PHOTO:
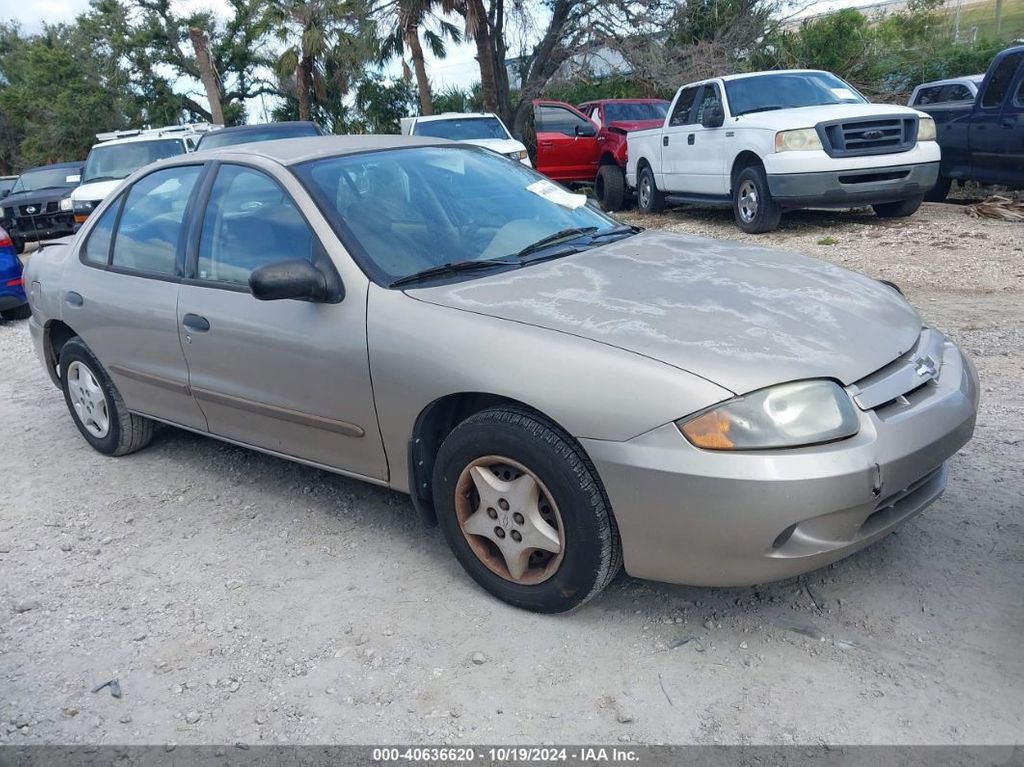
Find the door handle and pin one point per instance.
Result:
(1007, 122)
(664, 140)
(545, 143)
(689, 139)
(71, 298)
(196, 323)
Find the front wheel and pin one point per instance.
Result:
(940, 191)
(523, 511)
(96, 405)
(753, 207)
(900, 209)
(22, 312)
(648, 198)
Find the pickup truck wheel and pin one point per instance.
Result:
(900, 209)
(648, 198)
(755, 210)
(940, 191)
(610, 187)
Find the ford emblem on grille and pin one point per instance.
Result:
(873, 135)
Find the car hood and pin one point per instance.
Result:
(808, 117)
(500, 145)
(741, 316)
(96, 191)
(631, 125)
(40, 197)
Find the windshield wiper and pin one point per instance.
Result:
(552, 239)
(453, 267)
(102, 178)
(768, 108)
(621, 229)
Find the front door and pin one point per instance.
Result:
(708, 163)
(676, 146)
(289, 376)
(992, 124)
(563, 154)
(123, 301)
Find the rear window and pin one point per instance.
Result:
(635, 112)
(216, 139)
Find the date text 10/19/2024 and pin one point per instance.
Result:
(504, 754)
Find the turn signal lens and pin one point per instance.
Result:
(709, 431)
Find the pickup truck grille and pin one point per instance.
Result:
(37, 208)
(876, 135)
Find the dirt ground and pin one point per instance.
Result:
(240, 598)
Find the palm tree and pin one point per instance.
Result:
(406, 19)
(328, 45)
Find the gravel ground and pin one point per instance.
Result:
(240, 598)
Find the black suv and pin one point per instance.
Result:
(39, 205)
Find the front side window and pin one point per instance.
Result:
(999, 84)
(788, 90)
(555, 119)
(683, 107)
(151, 234)
(462, 128)
(250, 221)
(409, 210)
(928, 95)
(97, 247)
(708, 97)
(116, 161)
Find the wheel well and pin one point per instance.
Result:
(743, 160)
(435, 422)
(55, 335)
(608, 159)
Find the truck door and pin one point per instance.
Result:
(566, 143)
(676, 153)
(996, 124)
(707, 164)
(1012, 127)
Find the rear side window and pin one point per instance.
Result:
(928, 95)
(250, 221)
(683, 107)
(97, 247)
(150, 233)
(1002, 78)
(956, 92)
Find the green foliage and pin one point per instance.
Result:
(454, 99)
(612, 87)
(380, 104)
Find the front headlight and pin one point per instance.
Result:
(66, 204)
(925, 129)
(802, 140)
(520, 155)
(788, 415)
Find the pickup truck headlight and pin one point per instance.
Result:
(925, 129)
(520, 155)
(788, 415)
(66, 204)
(82, 209)
(801, 140)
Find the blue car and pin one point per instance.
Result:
(13, 302)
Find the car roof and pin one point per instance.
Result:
(454, 116)
(292, 151)
(976, 79)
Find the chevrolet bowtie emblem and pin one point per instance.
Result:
(927, 368)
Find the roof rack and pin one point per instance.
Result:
(188, 128)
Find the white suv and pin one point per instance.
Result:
(772, 141)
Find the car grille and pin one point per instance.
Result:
(850, 138)
(900, 384)
(38, 208)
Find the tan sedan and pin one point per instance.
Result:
(560, 392)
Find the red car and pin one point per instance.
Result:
(588, 145)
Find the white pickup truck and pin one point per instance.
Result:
(773, 141)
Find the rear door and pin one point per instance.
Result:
(994, 122)
(122, 299)
(562, 153)
(676, 147)
(287, 376)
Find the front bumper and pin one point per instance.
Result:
(849, 188)
(708, 518)
(45, 226)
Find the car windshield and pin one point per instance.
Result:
(415, 209)
(115, 161)
(46, 178)
(633, 112)
(788, 90)
(462, 128)
(217, 139)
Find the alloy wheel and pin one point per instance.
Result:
(88, 400)
(747, 201)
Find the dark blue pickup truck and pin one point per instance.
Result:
(983, 140)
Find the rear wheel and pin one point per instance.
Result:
(22, 312)
(523, 511)
(610, 187)
(648, 198)
(900, 209)
(940, 191)
(96, 405)
(754, 208)
(19, 244)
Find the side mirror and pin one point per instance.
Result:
(295, 279)
(586, 131)
(714, 115)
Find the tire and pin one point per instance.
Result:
(648, 198)
(940, 191)
(19, 244)
(753, 207)
(22, 312)
(512, 447)
(900, 209)
(88, 390)
(610, 187)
